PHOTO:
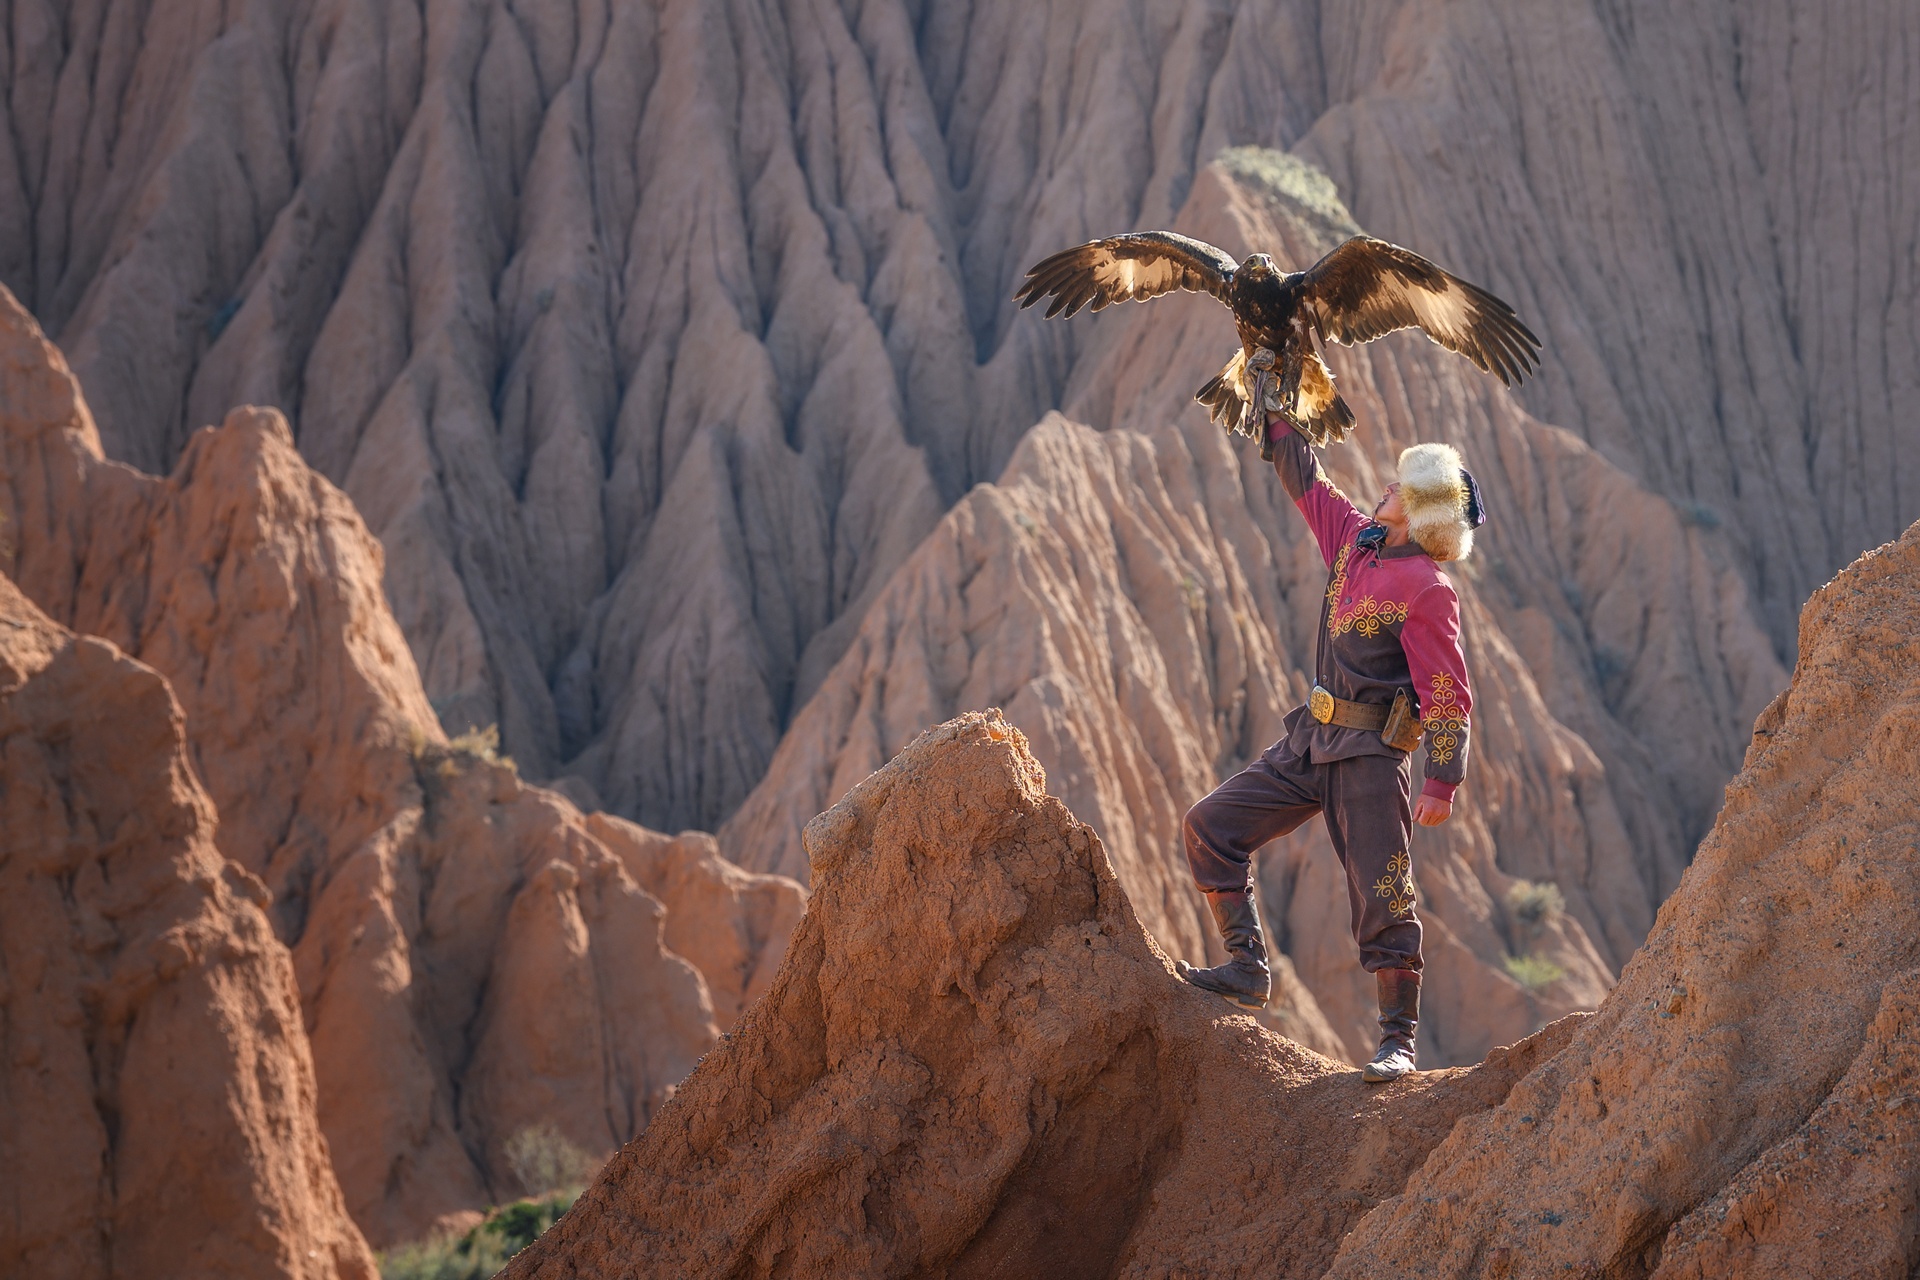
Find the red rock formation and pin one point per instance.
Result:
(157, 1102)
(472, 960)
(975, 1062)
(732, 924)
(1743, 1104)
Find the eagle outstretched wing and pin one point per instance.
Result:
(1142, 265)
(1368, 288)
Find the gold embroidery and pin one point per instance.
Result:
(1320, 478)
(1444, 721)
(1338, 584)
(1368, 616)
(1397, 885)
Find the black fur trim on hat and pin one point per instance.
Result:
(1476, 509)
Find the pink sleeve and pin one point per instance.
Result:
(1431, 638)
(1333, 519)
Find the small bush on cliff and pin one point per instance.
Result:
(1532, 902)
(458, 754)
(482, 745)
(482, 1251)
(543, 1160)
(1531, 971)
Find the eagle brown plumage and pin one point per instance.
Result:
(1363, 290)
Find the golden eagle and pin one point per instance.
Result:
(1363, 290)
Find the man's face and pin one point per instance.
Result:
(1388, 510)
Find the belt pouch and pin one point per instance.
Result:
(1403, 728)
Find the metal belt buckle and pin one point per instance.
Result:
(1320, 705)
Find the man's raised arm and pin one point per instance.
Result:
(1330, 514)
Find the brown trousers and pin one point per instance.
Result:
(1369, 819)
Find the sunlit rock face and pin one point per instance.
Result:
(972, 1046)
(157, 1098)
(474, 956)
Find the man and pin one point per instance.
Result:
(1389, 642)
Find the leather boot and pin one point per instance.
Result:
(1243, 979)
(1399, 1014)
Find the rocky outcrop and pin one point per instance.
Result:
(157, 1099)
(1743, 1103)
(1141, 601)
(732, 924)
(974, 1061)
(472, 960)
(651, 340)
(479, 967)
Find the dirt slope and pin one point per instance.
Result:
(158, 1101)
(472, 960)
(975, 1062)
(1743, 1103)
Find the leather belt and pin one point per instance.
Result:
(1327, 709)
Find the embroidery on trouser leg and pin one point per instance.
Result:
(1397, 885)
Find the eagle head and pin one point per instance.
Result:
(1257, 267)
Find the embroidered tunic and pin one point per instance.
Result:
(1390, 621)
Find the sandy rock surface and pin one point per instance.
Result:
(1743, 1103)
(472, 961)
(158, 1098)
(1142, 602)
(651, 339)
(732, 924)
(974, 1061)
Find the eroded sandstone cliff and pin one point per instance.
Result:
(472, 960)
(975, 1062)
(157, 1099)
(652, 337)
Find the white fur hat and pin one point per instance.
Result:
(1435, 492)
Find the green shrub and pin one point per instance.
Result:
(1285, 174)
(543, 1160)
(1531, 971)
(458, 755)
(479, 745)
(483, 1251)
(1533, 902)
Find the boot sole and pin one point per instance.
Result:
(1371, 1076)
(1186, 972)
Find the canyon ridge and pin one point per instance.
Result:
(628, 450)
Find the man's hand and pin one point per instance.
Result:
(1429, 812)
